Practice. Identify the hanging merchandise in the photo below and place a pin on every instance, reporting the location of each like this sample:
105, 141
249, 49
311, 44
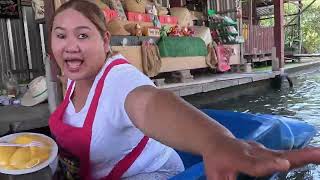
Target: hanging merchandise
151, 60
232, 30
224, 30
223, 56
38, 9
9, 9
211, 58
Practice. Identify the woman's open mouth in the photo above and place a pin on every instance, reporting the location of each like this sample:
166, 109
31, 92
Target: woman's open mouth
73, 65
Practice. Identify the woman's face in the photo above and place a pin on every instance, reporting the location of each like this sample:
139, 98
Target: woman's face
77, 45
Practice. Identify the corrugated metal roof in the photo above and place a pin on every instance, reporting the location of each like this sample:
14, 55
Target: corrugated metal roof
13, 49
265, 10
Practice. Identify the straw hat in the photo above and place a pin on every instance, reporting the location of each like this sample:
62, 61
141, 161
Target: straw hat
36, 93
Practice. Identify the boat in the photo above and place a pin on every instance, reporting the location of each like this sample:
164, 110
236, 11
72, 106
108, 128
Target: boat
273, 131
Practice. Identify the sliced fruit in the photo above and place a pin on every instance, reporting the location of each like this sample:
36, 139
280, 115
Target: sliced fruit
20, 158
5, 154
26, 139
9, 167
42, 153
23, 139
32, 163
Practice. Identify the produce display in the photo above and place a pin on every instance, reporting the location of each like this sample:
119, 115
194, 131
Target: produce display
19, 158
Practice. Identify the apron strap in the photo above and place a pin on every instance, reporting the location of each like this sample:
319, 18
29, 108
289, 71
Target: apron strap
65, 101
124, 164
95, 100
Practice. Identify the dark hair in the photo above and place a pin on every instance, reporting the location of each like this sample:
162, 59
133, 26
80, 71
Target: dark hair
87, 9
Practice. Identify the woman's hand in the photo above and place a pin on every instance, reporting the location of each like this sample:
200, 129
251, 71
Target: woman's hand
224, 161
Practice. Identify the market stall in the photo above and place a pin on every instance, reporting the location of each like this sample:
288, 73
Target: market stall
180, 36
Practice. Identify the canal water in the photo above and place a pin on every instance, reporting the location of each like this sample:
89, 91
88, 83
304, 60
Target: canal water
301, 102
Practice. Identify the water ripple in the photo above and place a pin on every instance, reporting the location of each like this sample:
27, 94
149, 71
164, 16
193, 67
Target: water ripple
302, 102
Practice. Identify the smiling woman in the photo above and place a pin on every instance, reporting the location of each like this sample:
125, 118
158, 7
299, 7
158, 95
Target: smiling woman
113, 123
81, 49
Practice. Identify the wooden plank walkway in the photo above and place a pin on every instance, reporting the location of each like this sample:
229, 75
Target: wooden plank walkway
215, 82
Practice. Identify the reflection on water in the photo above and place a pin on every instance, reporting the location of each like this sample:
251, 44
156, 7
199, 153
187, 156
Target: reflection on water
301, 102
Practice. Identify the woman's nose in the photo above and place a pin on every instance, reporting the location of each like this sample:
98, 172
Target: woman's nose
72, 45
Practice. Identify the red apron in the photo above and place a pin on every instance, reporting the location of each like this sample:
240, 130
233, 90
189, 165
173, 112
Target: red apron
74, 143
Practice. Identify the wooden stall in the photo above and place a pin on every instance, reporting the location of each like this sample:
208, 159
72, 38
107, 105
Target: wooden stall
258, 44
170, 64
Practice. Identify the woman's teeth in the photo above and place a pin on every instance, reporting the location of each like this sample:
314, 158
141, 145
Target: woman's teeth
74, 64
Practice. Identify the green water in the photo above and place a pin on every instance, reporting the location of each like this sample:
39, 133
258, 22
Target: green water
301, 102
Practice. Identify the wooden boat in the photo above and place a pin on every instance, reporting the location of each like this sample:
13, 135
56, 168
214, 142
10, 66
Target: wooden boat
275, 132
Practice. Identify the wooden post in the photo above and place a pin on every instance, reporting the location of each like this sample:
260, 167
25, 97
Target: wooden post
54, 85
250, 26
299, 26
240, 27
279, 31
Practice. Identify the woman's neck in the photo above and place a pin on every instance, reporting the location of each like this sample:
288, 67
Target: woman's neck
80, 93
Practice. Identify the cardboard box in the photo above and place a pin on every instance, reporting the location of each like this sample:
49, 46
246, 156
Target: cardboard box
151, 31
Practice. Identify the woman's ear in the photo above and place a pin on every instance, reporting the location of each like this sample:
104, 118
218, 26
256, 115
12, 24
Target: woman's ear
106, 40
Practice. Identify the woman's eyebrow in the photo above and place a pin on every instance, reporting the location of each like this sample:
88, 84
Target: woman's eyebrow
77, 28
83, 27
59, 28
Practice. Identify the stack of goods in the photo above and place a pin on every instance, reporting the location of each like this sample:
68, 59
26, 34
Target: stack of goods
136, 17
224, 30
184, 39
19, 158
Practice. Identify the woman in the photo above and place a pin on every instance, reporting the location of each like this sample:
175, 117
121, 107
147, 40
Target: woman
112, 119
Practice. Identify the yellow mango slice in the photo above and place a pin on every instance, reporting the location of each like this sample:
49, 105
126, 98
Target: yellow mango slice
20, 158
42, 153
27, 157
32, 163
9, 167
26, 139
23, 139
5, 154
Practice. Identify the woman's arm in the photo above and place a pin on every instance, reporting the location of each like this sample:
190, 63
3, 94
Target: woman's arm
167, 118
163, 116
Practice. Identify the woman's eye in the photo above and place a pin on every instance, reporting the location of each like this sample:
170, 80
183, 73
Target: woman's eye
60, 36
82, 36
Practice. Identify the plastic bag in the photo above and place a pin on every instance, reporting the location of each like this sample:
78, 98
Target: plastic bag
11, 84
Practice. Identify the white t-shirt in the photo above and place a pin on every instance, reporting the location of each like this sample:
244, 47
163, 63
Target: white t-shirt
113, 133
